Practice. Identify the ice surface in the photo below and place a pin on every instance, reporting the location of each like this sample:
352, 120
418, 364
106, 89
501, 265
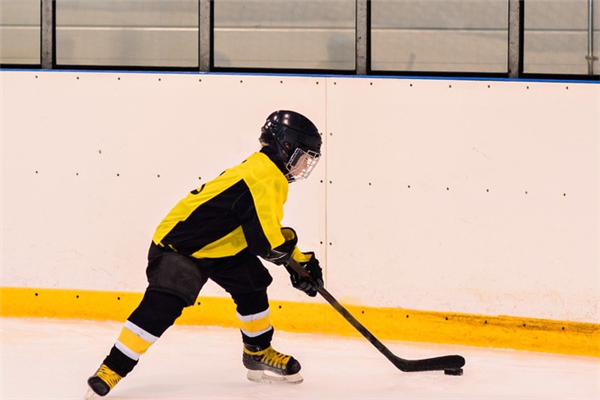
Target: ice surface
51, 359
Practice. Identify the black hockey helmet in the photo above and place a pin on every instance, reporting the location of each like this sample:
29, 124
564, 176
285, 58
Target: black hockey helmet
296, 141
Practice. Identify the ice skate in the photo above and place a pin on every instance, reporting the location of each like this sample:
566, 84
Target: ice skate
270, 366
102, 382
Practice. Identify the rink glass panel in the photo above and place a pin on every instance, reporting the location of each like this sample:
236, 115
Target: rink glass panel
20, 32
288, 34
143, 33
557, 39
439, 35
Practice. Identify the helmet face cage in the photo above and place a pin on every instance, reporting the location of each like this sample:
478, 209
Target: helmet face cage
301, 164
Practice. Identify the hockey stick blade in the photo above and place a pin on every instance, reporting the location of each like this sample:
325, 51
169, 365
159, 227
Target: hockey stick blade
452, 365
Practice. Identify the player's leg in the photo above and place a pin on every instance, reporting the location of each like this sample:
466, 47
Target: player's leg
257, 332
174, 283
156, 312
246, 279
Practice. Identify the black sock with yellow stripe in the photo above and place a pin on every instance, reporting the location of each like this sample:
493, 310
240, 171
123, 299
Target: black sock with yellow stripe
253, 314
155, 314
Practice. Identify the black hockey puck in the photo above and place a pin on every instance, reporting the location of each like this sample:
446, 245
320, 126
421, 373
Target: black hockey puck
457, 372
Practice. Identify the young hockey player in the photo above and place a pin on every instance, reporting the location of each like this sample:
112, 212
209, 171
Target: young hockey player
217, 232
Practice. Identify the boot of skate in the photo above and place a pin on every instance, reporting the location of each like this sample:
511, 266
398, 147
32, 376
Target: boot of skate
103, 380
268, 365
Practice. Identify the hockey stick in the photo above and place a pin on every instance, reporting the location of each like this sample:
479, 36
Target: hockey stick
451, 365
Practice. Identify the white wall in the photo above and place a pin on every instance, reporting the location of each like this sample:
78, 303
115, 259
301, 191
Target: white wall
81, 155
526, 247
467, 196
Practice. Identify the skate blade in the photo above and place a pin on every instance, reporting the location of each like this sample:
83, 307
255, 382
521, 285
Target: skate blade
262, 377
90, 395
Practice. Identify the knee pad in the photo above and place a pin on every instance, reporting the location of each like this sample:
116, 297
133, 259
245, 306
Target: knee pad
175, 274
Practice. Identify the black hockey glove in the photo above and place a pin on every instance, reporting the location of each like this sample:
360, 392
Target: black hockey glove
307, 285
280, 254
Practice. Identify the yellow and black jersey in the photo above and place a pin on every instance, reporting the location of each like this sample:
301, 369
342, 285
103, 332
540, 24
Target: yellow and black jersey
241, 208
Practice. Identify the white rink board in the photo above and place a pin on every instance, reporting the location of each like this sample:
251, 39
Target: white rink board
465, 195
99, 142
501, 216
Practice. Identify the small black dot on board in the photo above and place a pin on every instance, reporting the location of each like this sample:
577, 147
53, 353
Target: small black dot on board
37, 295
280, 306
118, 298
77, 296
407, 316
198, 303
